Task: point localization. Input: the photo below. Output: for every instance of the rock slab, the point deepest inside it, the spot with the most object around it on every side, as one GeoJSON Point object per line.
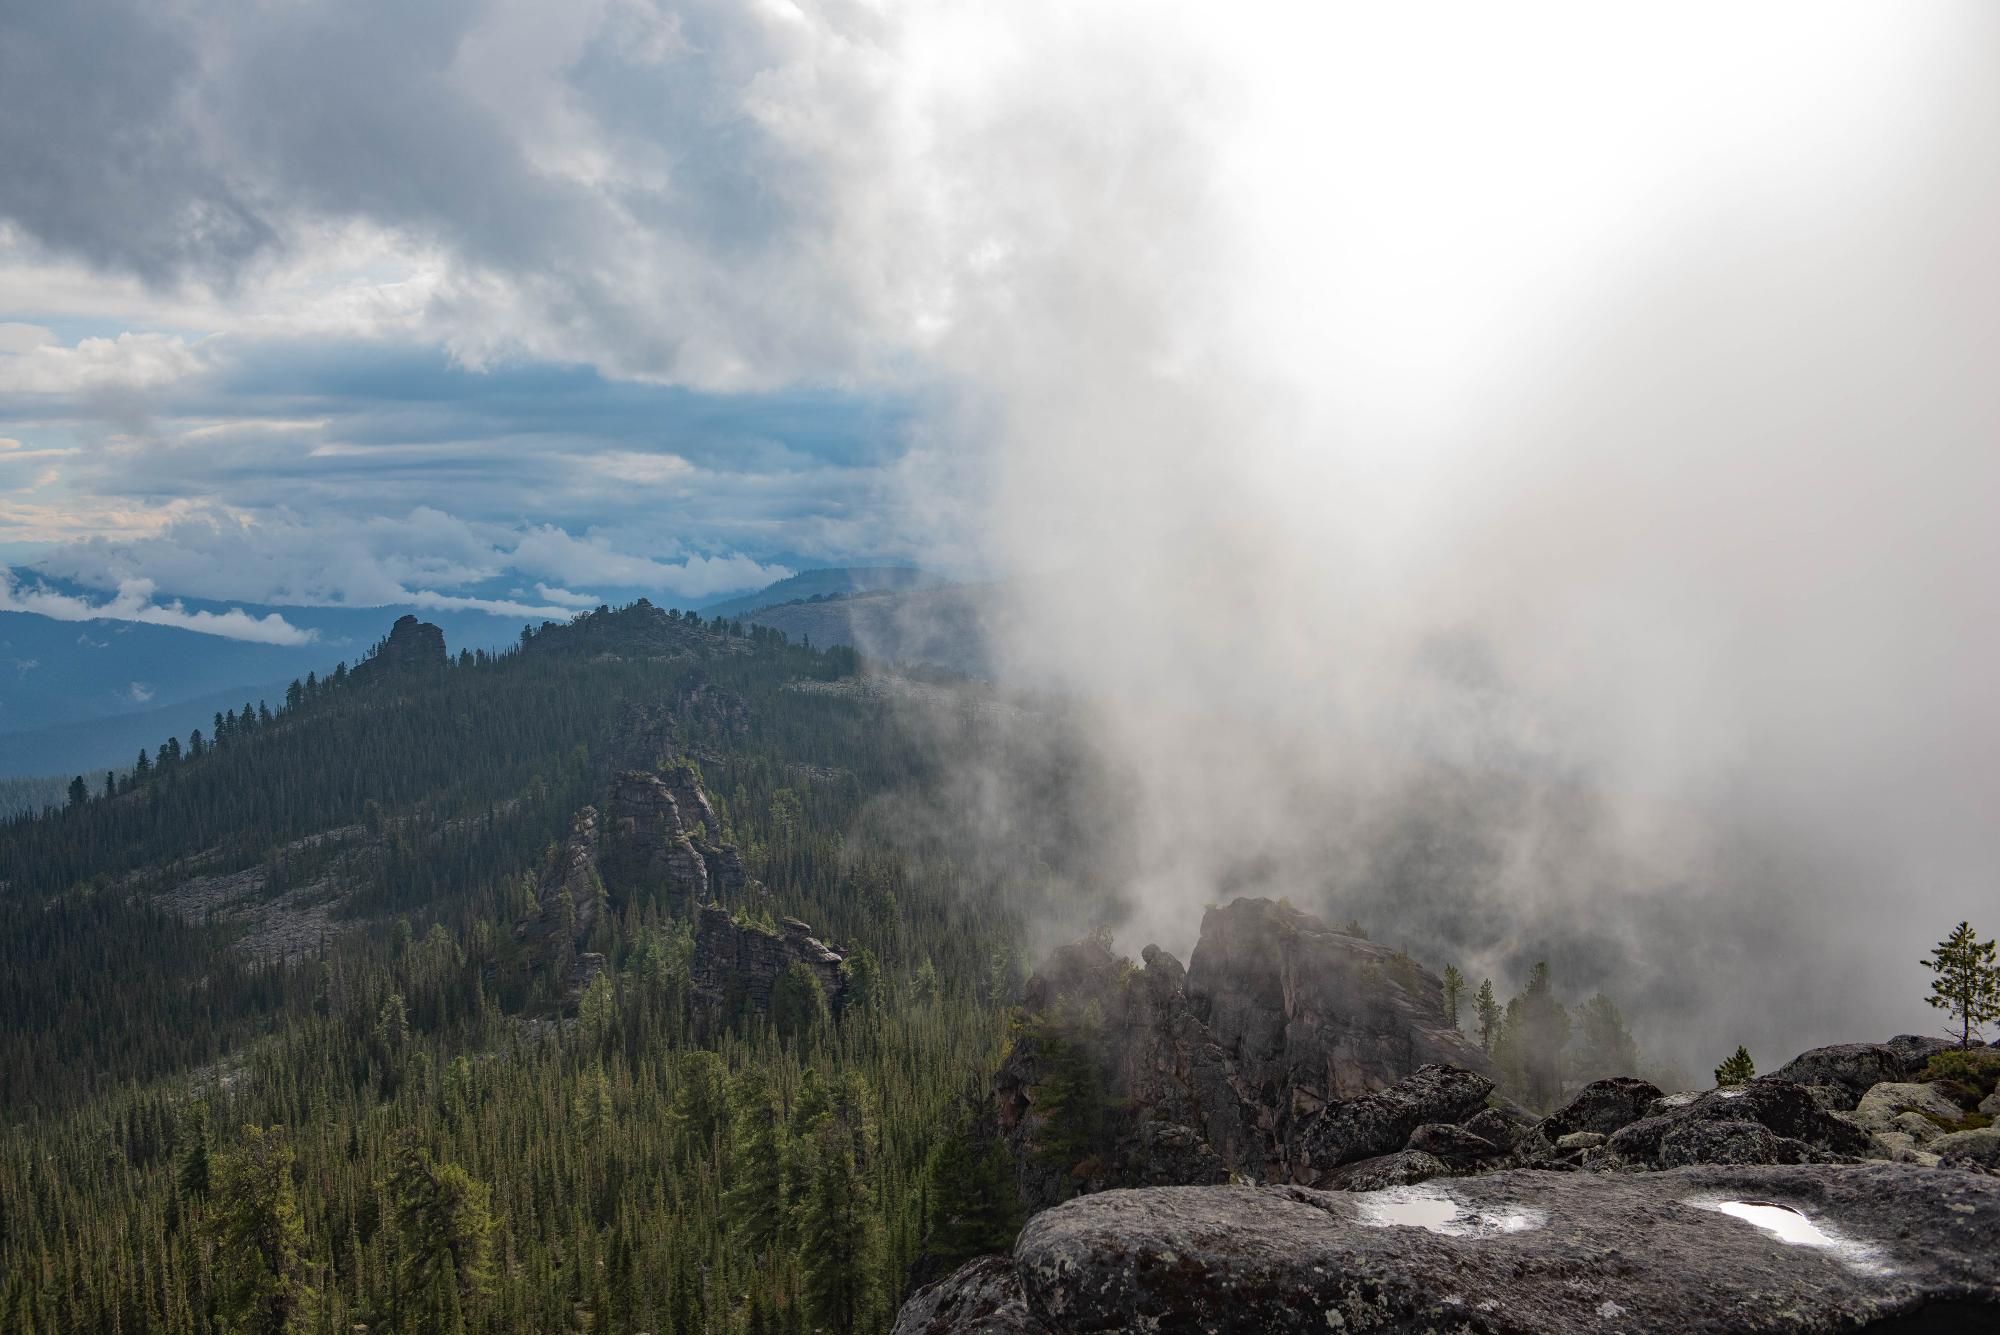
{"type": "Point", "coordinates": [1883, 1247]}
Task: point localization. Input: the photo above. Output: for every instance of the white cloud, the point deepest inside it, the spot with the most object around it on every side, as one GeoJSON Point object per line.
{"type": "Point", "coordinates": [134, 602]}
{"type": "Point", "coordinates": [566, 597]}
{"type": "Point", "coordinates": [140, 692]}
{"type": "Point", "coordinates": [551, 552]}
{"type": "Point", "coordinates": [131, 361]}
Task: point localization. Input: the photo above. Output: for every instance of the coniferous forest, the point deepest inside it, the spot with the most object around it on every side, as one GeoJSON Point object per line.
{"type": "Point", "coordinates": [283, 1057]}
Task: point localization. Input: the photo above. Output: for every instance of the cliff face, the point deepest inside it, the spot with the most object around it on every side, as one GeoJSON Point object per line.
{"type": "Point", "coordinates": [653, 842]}
{"type": "Point", "coordinates": [1309, 1015]}
{"type": "Point", "coordinates": [1217, 1070]}
{"type": "Point", "coordinates": [737, 965]}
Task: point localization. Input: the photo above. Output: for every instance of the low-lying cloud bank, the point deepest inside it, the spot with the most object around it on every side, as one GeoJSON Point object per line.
{"type": "Point", "coordinates": [134, 602]}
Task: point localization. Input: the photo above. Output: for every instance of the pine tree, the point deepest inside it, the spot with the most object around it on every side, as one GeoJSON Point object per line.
{"type": "Point", "coordinates": [193, 1172]}
{"type": "Point", "coordinates": [1602, 1046]}
{"type": "Point", "coordinates": [264, 1279]}
{"type": "Point", "coordinates": [1454, 988]}
{"type": "Point", "coordinates": [975, 1203]}
{"type": "Point", "coordinates": [839, 1239]}
{"type": "Point", "coordinates": [1487, 1007]}
{"type": "Point", "coordinates": [1737, 1070]}
{"type": "Point", "coordinates": [1967, 986]}
{"type": "Point", "coordinates": [755, 1201]}
{"type": "Point", "coordinates": [444, 1224]}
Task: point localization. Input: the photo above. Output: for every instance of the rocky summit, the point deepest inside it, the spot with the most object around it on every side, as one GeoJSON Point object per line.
{"type": "Point", "coordinates": [1875, 1247]}
{"type": "Point", "coordinates": [1245, 1062]}
{"type": "Point", "coordinates": [1289, 1135]}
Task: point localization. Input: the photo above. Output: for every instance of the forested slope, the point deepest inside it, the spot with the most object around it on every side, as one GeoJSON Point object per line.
{"type": "Point", "coordinates": [289, 1047]}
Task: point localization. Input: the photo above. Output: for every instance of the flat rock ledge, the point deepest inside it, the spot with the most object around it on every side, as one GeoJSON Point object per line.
{"type": "Point", "coordinates": [1874, 1247]}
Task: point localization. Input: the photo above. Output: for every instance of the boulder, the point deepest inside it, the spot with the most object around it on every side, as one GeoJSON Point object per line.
{"type": "Point", "coordinates": [1715, 1249]}
{"type": "Point", "coordinates": [1853, 1067]}
{"type": "Point", "coordinates": [1386, 1170]}
{"type": "Point", "coordinates": [1501, 1126]}
{"type": "Point", "coordinates": [1884, 1107]}
{"type": "Point", "coordinates": [1969, 1149]}
{"type": "Point", "coordinates": [1602, 1106]}
{"type": "Point", "coordinates": [1916, 1050]}
{"type": "Point", "coordinates": [1461, 1147]}
{"type": "Point", "coordinates": [1381, 1122]}
{"type": "Point", "coordinates": [1726, 1142]}
{"type": "Point", "coordinates": [981, 1297]}
{"type": "Point", "coordinates": [1789, 1112]}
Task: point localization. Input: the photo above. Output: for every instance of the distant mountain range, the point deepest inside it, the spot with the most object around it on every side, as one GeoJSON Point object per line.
{"type": "Point", "coordinates": [947, 626]}
{"type": "Point", "coordinates": [811, 585]}
{"type": "Point", "coordinates": [84, 696]}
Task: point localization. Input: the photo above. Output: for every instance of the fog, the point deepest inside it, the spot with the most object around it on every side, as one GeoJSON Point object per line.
{"type": "Point", "coordinates": [1524, 481]}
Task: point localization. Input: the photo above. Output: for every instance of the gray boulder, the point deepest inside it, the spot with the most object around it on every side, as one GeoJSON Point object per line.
{"type": "Point", "coordinates": [1601, 1106]}
{"type": "Point", "coordinates": [1853, 1067]}
{"type": "Point", "coordinates": [1878, 1246]}
{"type": "Point", "coordinates": [1789, 1112]}
{"type": "Point", "coordinates": [1969, 1149]}
{"type": "Point", "coordinates": [1387, 1170]}
{"type": "Point", "coordinates": [1916, 1109]}
{"type": "Point", "coordinates": [1381, 1123]}
{"type": "Point", "coordinates": [981, 1297]}
{"type": "Point", "coordinates": [1458, 1146]}
{"type": "Point", "coordinates": [1916, 1050]}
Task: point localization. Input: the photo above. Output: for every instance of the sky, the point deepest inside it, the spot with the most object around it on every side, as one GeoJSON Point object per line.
{"type": "Point", "coordinates": [1533, 465]}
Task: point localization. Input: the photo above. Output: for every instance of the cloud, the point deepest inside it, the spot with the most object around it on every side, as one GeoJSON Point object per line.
{"type": "Point", "coordinates": [140, 692]}
{"type": "Point", "coordinates": [133, 602]}
{"type": "Point", "coordinates": [550, 552]}
{"type": "Point", "coordinates": [567, 598]}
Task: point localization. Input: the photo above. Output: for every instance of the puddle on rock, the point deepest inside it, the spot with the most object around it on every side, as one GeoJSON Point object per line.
{"type": "Point", "coordinates": [1789, 1226]}
{"type": "Point", "coordinates": [1432, 1210]}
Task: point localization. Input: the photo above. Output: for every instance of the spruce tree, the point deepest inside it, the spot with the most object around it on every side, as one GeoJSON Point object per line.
{"type": "Point", "coordinates": [264, 1278]}
{"type": "Point", "coordinates": [839, 1239]}
{"type": "Point", "coordinates": [1487, 1006]}
{"type": "Point", "coordinates": [1967, 985]}
{"type": "Point", "coordinates": [1737, 1070]}
{"type": "Point", "coordinates": [444, 1226]}
{"type": "Point", "coordinates": [1454, 988]}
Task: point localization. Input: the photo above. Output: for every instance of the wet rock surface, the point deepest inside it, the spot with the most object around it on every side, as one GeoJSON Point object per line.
{"type": "Point", "coordinates": [1880, 1247]}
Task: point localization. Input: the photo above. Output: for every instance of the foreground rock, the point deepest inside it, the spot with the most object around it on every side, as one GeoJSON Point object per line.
{"type": "Point", "coordinates": [1877, 1247]}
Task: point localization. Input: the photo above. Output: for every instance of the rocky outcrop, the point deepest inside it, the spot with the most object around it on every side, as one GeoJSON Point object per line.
{"type": "Point", "coordinates": [412, 648]}
{"type": "Point", "coordinates": [1882, 1247]}
{"type": "Point", "coordinates": [1308, 1015]}
{"type": "Point", "coordinates": [1179, 1114]}
{"type": "Point", "coordinates": [570, 892]}
{"type": "Point", "coordinates": [1222, 1069]}
{"type": "Point", "coordinates": [738, 964]}
{"type": "Point", "coordinates": [650, 846]}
